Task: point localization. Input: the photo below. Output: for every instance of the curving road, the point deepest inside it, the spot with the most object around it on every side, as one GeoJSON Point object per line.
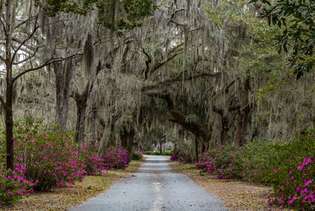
{"type": "Point", "coordinates": [154, 188]}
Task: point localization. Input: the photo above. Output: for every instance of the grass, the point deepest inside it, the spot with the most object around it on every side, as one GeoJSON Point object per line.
{"type": "Point", "coordinates": [235, 195]}
{"type": "Point", "coordinates": [64, 198]}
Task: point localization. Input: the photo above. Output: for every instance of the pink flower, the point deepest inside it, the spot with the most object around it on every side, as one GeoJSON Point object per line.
{"type": "Point", "coordinates": [306, 162]}
{"type": "Point", "coordinates": [292, 199]}
{"type": "Point", "coordinates": [307, 182]}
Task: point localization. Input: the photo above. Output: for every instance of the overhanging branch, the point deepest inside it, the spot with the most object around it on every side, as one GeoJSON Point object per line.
{"type": "Point", "coordinates": [179, 79]}
{"type": "Point", "coordinates": [49, 62]}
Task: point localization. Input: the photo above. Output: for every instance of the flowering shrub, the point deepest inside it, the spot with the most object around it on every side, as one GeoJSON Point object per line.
{"type": "Point", "coordinates": [117, 158]}
{"type": "Point", "coordinates": [51, 159]}
{"type": "Point", "coordinates": [297, 189]}
{"type": "Point", "coordinates": [206, 164]}
{"type": "Point", "coordinates": [174, 157]}
{"type": "Point", "coordinates": [15, 185]}
{"type": "Point", "coordinates": [94, 163]}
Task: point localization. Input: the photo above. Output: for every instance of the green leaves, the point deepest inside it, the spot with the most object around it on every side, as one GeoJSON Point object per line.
{"type": "Point", "coordinates": [117, 15]}
{"type": "Point", "coordinates": [296, 19]}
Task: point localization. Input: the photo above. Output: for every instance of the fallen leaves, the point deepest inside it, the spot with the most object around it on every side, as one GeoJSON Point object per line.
{"type": "Point", "coordinates": [235, 195]}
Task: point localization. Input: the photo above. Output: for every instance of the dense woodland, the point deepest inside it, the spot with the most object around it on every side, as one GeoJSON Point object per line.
{"type": "Point", "coordinates": [202, 74]}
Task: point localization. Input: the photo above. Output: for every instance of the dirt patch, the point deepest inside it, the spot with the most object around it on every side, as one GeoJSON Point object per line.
{"type": "Point", "coordinates": [235, 195]}
{"type": "Point", "coordinates": [63, 198]}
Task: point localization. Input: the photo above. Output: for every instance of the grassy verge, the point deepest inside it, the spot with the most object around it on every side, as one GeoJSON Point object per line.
{"type": "Point", "coordinates": [63, 198]}
{"type": "Point", "coordinates": [235, 195]}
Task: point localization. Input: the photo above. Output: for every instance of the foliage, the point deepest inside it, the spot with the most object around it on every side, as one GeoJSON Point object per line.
{"type": "Point", "coordinates": [295, 18]}
{"type": "Point", "coordinates": [297, 189]}
{"type": "Point", "coordinates": [131, 16]}
{"type": "Point", "coordinates": [225, 160]}
{"type": "Point", "coordinates": [51, 159]}
{"type": "Point", "coordinates": [206, 164]}
{"type": "Point", "coordinates": [138, 155]}
{"type": "Point", "coordinates": [288, 167]}
{"type": "Point", "coordinates": [14, 185]}
{"type": "Point", "coordinates": [116, 158]}
{"type": "Point", "coordinates": [94, 163]}
{"type": "Point", "coordinates": [182, 156]}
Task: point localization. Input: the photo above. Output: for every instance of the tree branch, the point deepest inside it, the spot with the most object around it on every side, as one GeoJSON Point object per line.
{"type": "Point", "coordinates": [28, 58]}
{"type": "Point", "coordinates": [173, 53]}
{"type": "Point", "coordinates": [25, 40]}
{"type": "Point", "coordinates": [51, 61]}
{"type": "Point", "coordinates": [179, 79]}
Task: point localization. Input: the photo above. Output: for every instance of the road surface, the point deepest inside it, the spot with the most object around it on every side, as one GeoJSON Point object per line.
{"type": "Point", "coordinates": [154, 188]}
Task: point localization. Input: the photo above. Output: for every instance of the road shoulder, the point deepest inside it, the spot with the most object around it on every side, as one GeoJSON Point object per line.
{"type": "Point", "coordinates": [235, 195]}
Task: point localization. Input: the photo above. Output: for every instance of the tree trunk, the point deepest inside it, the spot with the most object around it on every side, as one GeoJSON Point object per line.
{"type": "Point", "coordinates": [9, 87]}
{"type": "Point", "coordinates": [130, 146]}
{"type": "Point", "coordinates": [161, 147]}
{"type": "Point", "coordinates": [197, 148]}
{"type": "Point", "coordinates": [63, 74]}
{"type": "Point", "coordinates": [243, 113]}
{"type": "Point", "coordinates": [224, 130]}
{"type": "Point", "coordinates": [81, 102]}
{"type": "Point", "coordinates": [9, 125]}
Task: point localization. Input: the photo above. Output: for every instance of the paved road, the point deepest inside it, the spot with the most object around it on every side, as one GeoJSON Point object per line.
{"type": "Point", "coordinates": [154, 188]}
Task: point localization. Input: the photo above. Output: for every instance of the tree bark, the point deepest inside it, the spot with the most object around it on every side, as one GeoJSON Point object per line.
{"type": "Point", "coordinates": [81, 102]}
{"type": "Point", "coordinates": [9, 124]}
{"type": "Point", "coordinates": [63, 77]}
{"type": "Point", "coordinates": [9, 88]}
{"type": "Point", "coordinates": [197, 148]}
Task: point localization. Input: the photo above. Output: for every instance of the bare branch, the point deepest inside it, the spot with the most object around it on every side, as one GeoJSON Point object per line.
{"type": "Point", "coordinates": [28, 58]}
{"type": "Point", "coordinates": [49, 62]}
{"type": "Point", "coordinates": [26, 21]}
{"type": "Point", "coordinates": [172, 54]}
{"type": "Point", "coordinates": [25, 40]}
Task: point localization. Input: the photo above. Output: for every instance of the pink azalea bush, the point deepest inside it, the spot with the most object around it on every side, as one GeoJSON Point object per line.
{"type": "Point", "coordinates": [116, 158]}
{"type": "Point", "coordinates": [174, 157]}
{"type": "Point", "coordinates": [206, 164]}
{"type": "Point", "coordinates": [297, 189]}
{"type": "Point", "coordinates": [94, 163]}
{"type": "Point", "coordinates": [14, 185]}
{"type": "Point", "coordinates": [51, 159]}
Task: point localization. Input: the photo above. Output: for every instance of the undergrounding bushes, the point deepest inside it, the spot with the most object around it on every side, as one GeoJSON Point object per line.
{"type": "Point", "coordinates": [14, 185]}
{"type": "Point", "coordinates": [116, 158]}
{"type": "Point", "coordinates": [286, 166]}
{"type": "Point", "coordinates": [51, 159]}
{"type": "Point", "coordinates": [137, 155]}
{"type": "Point", "coordinates": [206, 164]}
{"type": "Point", "coordinates": [297, 189]}
{"type": "Point", "coordinates": [94, 163]}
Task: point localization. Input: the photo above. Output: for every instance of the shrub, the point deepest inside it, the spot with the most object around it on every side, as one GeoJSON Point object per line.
{"type": "Point", "coordinates": [297, 189]}
{"type": "Point", "coordinates": [137, 155]}
{"type": "Point", "coordinates": [94, 163]}
{"type": "Point", "coordinates": [14, 185]}
{"type": "Point", "coordinates": [174, 157]}
{"type": "Point", "coordinates": [116, 158]}
{"type": "Point", "coordinates": [182, 156]}
{"type": "Point", "coordinates": [206, 164]}
{"type": "Point", "coordinates": [51, 159]}
{"type": "Point", "coordinates": [226, 162]}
